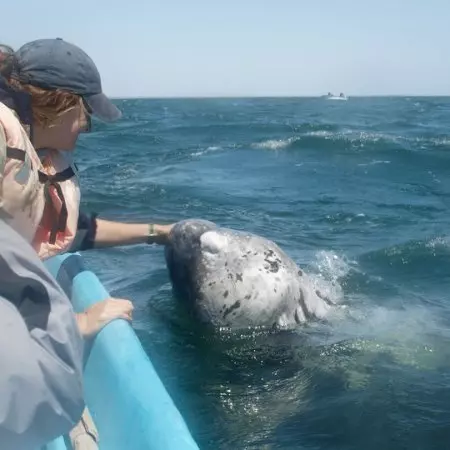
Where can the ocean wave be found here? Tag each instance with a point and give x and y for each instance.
(412, 266)
(348, 139)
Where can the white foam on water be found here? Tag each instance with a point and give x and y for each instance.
(439, 242)
(375, 162)
(275, 144)
(321, 133)
(207, 150)
(411, 333)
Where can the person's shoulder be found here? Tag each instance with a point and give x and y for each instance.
(11, 240)
(18, 257)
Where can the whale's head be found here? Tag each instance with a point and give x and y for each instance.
(183, 251)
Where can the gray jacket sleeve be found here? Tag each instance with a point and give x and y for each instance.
(41, 350)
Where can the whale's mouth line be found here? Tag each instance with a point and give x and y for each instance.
(306, 313)
(324, 298)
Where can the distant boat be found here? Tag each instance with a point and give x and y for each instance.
(331, 96)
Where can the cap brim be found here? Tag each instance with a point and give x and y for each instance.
(103, 108)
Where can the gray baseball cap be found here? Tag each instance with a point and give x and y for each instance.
(57, 64)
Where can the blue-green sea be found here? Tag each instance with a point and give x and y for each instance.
(357, 192)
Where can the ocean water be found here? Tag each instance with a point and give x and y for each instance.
(358, 194)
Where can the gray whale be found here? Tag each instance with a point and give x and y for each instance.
(237, 279)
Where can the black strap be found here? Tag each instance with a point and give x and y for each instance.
(60, 221)
(19, 154)
(15, 153)
(66, 174)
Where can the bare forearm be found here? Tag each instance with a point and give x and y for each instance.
(110, 234)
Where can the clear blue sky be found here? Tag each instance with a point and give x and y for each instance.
(249, 47)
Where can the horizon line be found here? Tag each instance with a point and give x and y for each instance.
(201, 97)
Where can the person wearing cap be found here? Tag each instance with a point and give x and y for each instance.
(41, 347)
(49, 65)
(48, 90)
(51, 86)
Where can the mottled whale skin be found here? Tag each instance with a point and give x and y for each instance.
(237, 279)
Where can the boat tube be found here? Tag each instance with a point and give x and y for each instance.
(127, 400)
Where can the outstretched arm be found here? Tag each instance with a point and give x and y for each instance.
(100, 233)
(110, 234)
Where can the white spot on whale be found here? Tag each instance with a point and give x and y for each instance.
(213, 242)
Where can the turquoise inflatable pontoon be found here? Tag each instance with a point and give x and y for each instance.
(128, 402)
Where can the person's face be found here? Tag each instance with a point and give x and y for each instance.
(63, 133)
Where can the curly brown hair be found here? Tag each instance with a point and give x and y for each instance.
(47, 105)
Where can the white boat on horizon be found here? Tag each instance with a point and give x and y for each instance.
(331, 96)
